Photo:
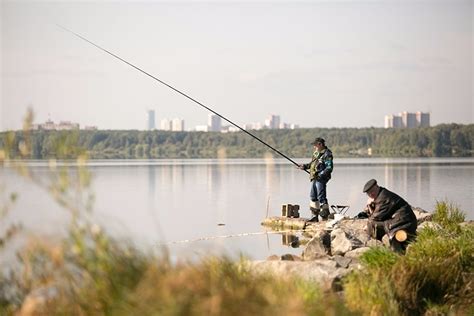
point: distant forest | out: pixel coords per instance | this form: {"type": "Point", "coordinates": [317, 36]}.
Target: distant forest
{"type": "Point", "coordinates": [447, 140]}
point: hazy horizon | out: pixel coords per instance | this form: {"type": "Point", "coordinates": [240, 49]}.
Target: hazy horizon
{"type": "Point", "coordinates": [314, 63]}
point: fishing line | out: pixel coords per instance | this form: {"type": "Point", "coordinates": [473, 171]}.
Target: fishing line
{"type": "Point", "coordinates": [180, 92]}
{"type": "Point", "coordinates": [230, 236]}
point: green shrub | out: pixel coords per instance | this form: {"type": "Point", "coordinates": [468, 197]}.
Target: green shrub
{"type": "Point", "coordinates": [448, 215]}
{"type": "Point", "coordinates": [435, 277]}
{"type": "Point", "coordinates": [369, 290]}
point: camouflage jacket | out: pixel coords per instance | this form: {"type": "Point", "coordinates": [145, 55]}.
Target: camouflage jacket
{"type": "Point", "coordinates": [320, 166]}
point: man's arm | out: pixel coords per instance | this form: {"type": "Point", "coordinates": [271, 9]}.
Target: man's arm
{"type": "Point", "coordinates": [383, 210]}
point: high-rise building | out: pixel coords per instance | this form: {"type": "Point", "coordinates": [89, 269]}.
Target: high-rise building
{"type": "Point", "coordinates": [214, 122]}
{"type": "Point", "coordinates": [393, 121]}
{"type": "Point", "coordinates": [150, 120]}
{"type": "Point", "coordinates": [408, 119]}
{"type": "Point", "coordinates": [422, 119]}
{"type": "Point", "coordinates": [165, 125]}
{"type": "Point", "coordinates": [177, 125]}
{"type": "Point", "coordinates": [272, 122]}
{"type": "Point", "coordinates": [388, 121]}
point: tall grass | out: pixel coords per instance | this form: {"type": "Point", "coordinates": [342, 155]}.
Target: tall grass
{"type": "Point", "coordinates": [435, 276]}
{"type": "Point", "coordinates": [91, 274]}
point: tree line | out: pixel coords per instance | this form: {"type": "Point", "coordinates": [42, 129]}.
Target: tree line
{"type": "Point", "coordinates": [445, 140]}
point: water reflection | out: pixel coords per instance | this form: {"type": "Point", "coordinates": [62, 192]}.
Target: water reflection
{"type": "Point", "coordinates": [408, 180]}
{"type": "Point", "coordinates": [289, 239]}
{"type": "Point", "coordinates": [177, 200]}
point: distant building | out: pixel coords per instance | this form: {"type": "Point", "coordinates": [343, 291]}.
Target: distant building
{"type": "Point", "coordinates": [422, 119]}
{"type": "Point", "coordinates": [272, 122]}
{"type": "Point", "coordinates": [150, 120]}
{"type": "Point", "coordinates": [177, 125]}
{"type": "Point", "coordinates": [90, 128]}
{"type": "Point", "coordinates": [393, 121]}
{"type": "Point", "coordinates": [202, 128]}
{"type": "Point", "coordinates": [165, 125]}
{"type": "Point", "coordinates": [253, 126]}
{"type": "Point", "coordinates": [229, 129]}
{"type": "Point", "coordinates": [66, 126]}
{"type": "Point", "coordinates": [214, 123]}
{"type": "Point", "coordinates": [407, 120]}
{"type": "Point", "coordinates": [48, 125]}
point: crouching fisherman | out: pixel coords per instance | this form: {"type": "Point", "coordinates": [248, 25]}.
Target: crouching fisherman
{"type": "Point", "coordinates": [320, 168]}
{"type": "Point", "coordinates": [389, 214]}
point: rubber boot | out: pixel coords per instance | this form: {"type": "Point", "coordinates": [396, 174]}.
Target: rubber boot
{"type": "Point", "coordinates": [314, 208]}
{"type": "Point", "coordinates": [324, 212]}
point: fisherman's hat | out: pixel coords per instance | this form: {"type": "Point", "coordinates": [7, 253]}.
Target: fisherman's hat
{"type": "Point", "coordinates": [369, 185]}
{"type": "Point", "coordinates": [319, 140]}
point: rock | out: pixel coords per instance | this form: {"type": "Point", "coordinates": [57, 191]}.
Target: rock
{"type": "Point", "coordinates": [273, 257]}
{"type": "Point", "coordinates": [342, 262]}
{"type": "Point", "coordinates": [422, 215]}
{"type": "Point", "coordinates": [323, 271]}
{"type": "Point", "coordinates": [342, 242]}
{"type": "Point", "coordinates": [431, 225]}
{"type": "Point", "coordinates": [356, 229]}
{"type": "Point", "coordinates": [278, 222]}
{"type": "Point", "coordinates": [374, 243]}
{"type": "Point", "coordinates": [319, 246]}
{"type": "Point", "coordinates": [386, 240]}
{"type": "Point", "coordinates": [290, 257]}
{"type": "Point", "coordinates": [356, 253]}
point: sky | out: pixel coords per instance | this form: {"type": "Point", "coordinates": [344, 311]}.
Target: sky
{"type": "Point", "coordinates": [314, 63]}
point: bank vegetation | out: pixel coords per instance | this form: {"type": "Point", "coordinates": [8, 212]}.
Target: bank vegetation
{"type": "Point", "coordinates": [447, 140]}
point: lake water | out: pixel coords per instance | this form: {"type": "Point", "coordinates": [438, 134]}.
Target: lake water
{"type": "Point", "coordinates": [167, 202]}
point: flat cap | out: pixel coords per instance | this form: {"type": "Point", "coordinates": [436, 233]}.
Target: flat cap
{"type": "Point", "coordinates": [369, 185]}
{"type": "Point", "coordinates": [319, 140]}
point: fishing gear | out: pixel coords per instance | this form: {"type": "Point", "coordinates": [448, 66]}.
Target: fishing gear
{"type": "Point", "coordinates": [180, 92]}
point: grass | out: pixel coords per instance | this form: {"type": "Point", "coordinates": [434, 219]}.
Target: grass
{"type": "Point", "coordinates": [435, 277]}
{"type": "Point", "coordinates": [91, 274]}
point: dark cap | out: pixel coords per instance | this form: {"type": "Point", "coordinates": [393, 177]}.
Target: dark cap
{"type": "Point", "coordinates": [369, 185]}
{"type": "Point", "coordinates": [319, 140]}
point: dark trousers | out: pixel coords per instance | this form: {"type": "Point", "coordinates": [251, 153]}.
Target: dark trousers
{"type": "Point", "coordinates": [377, 230]}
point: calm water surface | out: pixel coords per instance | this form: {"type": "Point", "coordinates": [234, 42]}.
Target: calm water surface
{"type": "Point", "coordinates": [156, 202]}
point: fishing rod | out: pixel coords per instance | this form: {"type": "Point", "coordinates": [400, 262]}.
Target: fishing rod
{"type": "Point", "coordinates": [180, 92]}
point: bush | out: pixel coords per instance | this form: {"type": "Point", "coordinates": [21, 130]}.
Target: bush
{"type": "Point", "coordinates": [435, 276]}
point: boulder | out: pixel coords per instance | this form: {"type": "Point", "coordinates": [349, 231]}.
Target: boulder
{"type": "Point", "coordinates": [323, 271]}
{"type": "Point", "coordinates": [422, 215]}
{"type": "Point", "coordinates": [273, 258]}
{"type": "Point", "coordinates": [319, 246]}
{"type": "Point", "coordinates": [343, 241]}
{"type": "Point", "coordinates": [374, 243]}
{"type": "Point", "coordinates": [342, 262]}
{"type": "Point", "coordinates": [356, 253]}
{"type": "Point", "coordinates": [290, 257]}
{"type": "Point", "coordinates": [431, 225]}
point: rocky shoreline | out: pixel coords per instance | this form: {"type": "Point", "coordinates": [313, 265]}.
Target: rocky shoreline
{"type": "Point", "coordinates": [331, 249]}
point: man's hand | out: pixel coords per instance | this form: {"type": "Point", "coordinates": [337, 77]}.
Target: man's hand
{"type": "Point", "coordinates": [301, 166]}
{"type": "Point", "coordinates": [370, 208]}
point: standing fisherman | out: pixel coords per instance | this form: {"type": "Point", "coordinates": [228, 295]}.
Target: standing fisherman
{"type": "Point", "coordinates": [320, 168]}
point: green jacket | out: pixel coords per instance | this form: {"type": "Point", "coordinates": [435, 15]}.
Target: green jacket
{"type": "Point", "coordinates": [320, 166]}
